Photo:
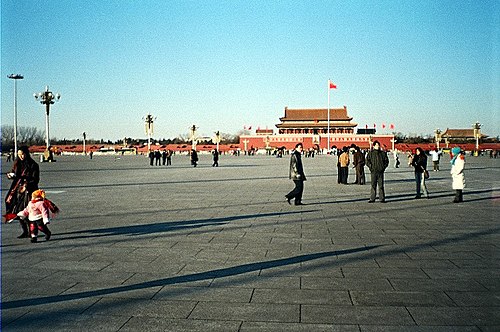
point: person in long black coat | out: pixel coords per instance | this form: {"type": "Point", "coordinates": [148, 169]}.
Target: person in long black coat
{"type": "Point", "coordinates": [151, 156]}
{"type": "Point", "coordinates": [377, 161]}
{"type": "Point", "coordinates": [25, 174]}
{"type": "Point", "coordinates": [296, 173]}
{"type": "Point", "coordinates": [194, 158]}
{"type": "Point", "coordinates": [359, 165]}
{"type": "Point", "coordinates": [216, 158]}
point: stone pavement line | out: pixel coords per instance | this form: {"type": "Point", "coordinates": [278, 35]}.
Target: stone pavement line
{"type": "Point", "coordinates": [183, 249]}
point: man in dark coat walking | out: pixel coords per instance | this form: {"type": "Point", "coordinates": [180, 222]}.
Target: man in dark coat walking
{"type": "Point", "coordinates": [377, 161]}
{"type": "Point", "coordinates": [296, 173]}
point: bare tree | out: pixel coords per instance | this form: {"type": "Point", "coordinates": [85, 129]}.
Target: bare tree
{"type": "Point", "coordinates": [25, 136]}
{"type": "Point", "coordinates": [7, 138]}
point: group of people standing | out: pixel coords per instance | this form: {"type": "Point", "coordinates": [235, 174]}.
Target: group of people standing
{"type": "Point", "coordinates": [377, 162]}
{"type": "Point", "coordinates": [359, 162]}
{"type": "Point", "coordinates": [165, 158]}
{"type": "Point", "coordinates": [160, 158]}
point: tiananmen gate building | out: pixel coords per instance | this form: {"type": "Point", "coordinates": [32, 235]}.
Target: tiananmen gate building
{"type": "Point", "coordinates": [310, 127]}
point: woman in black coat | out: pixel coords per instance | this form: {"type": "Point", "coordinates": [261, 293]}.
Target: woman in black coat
{"type": "Point", "coordinates": [25, 174]}
{"type": "Point", "coordinates": [419, 161]}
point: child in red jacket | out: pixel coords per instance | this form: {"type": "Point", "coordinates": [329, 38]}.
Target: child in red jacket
{"type": "Point", "coordinates": [38, 214]}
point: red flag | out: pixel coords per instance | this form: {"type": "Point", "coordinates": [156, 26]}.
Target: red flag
{"type": "Point", "coordinates": [331, 85]}
{"type": "Point", "coordinates": [366, 126]}
{"type": "Point", "coordinates": [383, 125]}
{"type": "Point", "coordinates": [391, 126]}
{"type": "Point", "coordinates": [249, 127]}
{"type": "Point", "coordinates": [374, 125]}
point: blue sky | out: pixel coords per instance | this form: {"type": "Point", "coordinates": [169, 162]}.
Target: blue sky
{"type": "Point", "coordinates": [222, 65]}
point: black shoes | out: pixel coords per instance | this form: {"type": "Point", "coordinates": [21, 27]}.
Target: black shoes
{"type": "Point", "coordinates": [47, 236]}
{"type": "Point", "coordinates": [34, 240]}
{"type": "Point", "coordinates": [289, 201]}
{"type": "Point", "coordinates": [23, 236]}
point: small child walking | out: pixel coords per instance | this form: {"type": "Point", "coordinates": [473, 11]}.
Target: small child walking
{"type": "Point", "coordinates": [38, 214]}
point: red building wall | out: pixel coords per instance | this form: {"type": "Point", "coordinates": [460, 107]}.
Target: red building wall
{"type": "Point", "coordinates": [290, 140]}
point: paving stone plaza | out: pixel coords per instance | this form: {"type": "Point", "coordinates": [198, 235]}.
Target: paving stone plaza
{"type": "Point", "coordinates": [156, 248]}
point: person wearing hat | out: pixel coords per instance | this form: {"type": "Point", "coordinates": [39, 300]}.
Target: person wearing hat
{"type": "Point", "coordinates": [37, 213]}
{"type": "Point", "coordinates": [457, 173]}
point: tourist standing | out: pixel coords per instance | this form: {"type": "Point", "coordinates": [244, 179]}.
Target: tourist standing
{"type": "Point", "coordinates": [457, 173]}
{"type": "Point", "coordinates": [216, 158]}
{"type": "Point", "coordinates": [169, 157]}
{"type": "Point", "coordinates": [25, 174]}
{"type": "Point", "coordinates": [377, 161]}
{"type": "Point", "coordinates": [164, 157]}
{"type": "Point", "coordinates": [396, 158]}
{"type": "Point", "coordinates": [419, 162]}
{"type": "Point", "coordinates": [435, 154]}
{"type": "Point", "coordinates": [359, 165]}
{"type": "Point", "coordinates": [194, 158]}
{"type": "Point", "coordinates": [296, 173]}
{"type": "Point", "coordinates": [344, 165]}
{"type": "Point", "coordinates": [157, 158]}
{"type": "Point", "coordinates": [151, 156]}
{"type": "Point", "coordinates": [410, 158]}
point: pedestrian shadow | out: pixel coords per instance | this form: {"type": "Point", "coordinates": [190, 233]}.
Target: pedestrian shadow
{"type": "Point", "coordinates": [359, 254]}
{"type": "Point", "coordinates": [166, 226]}
{"type": "Point", "coordinates": [441, 194]}
{"type": "Point", "coordinates": [159, 183]}
{"type": "Point", "coordinates": [411, 197]}
{"type": "Point", "coordinates": [217, 273]}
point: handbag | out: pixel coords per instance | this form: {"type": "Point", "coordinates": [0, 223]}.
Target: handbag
{"type": "Point", "coordinates": [426, 174]}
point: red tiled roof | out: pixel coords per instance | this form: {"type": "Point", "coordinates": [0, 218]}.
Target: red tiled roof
{"type": "Point", "coordinates": [314, 125]}
{"type": "Point", "coordinates": [460, 133]}
{"type": "Point", "coordinates": [315, 114]}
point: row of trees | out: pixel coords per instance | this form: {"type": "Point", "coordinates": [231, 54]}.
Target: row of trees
{"type": "Point", "coordinates": [25, 136]}
{"type": "Point", "coordinates": [33, 136]}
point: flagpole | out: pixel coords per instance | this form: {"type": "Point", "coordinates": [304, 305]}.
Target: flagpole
{"type": "Point", "coordinates": [328, 143]}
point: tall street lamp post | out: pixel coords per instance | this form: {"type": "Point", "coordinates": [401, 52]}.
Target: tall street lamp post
{"type": "Point", "coordinates": [84, 138]}
{"type": "Point", "coordinates": [193, 137]}
{"type": "Point", "coordinates": [216, 139]}
{"type": "Point", "coordinates": [477, 134]}
{"type": "Point", "coordinates": [149, 120]}
{"type": "Point", "coordinates": [437, 137]}
{"type": "Point", "coordinates": [15, 77]}
{"type": "Point", "coordinates": [47, 98]}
